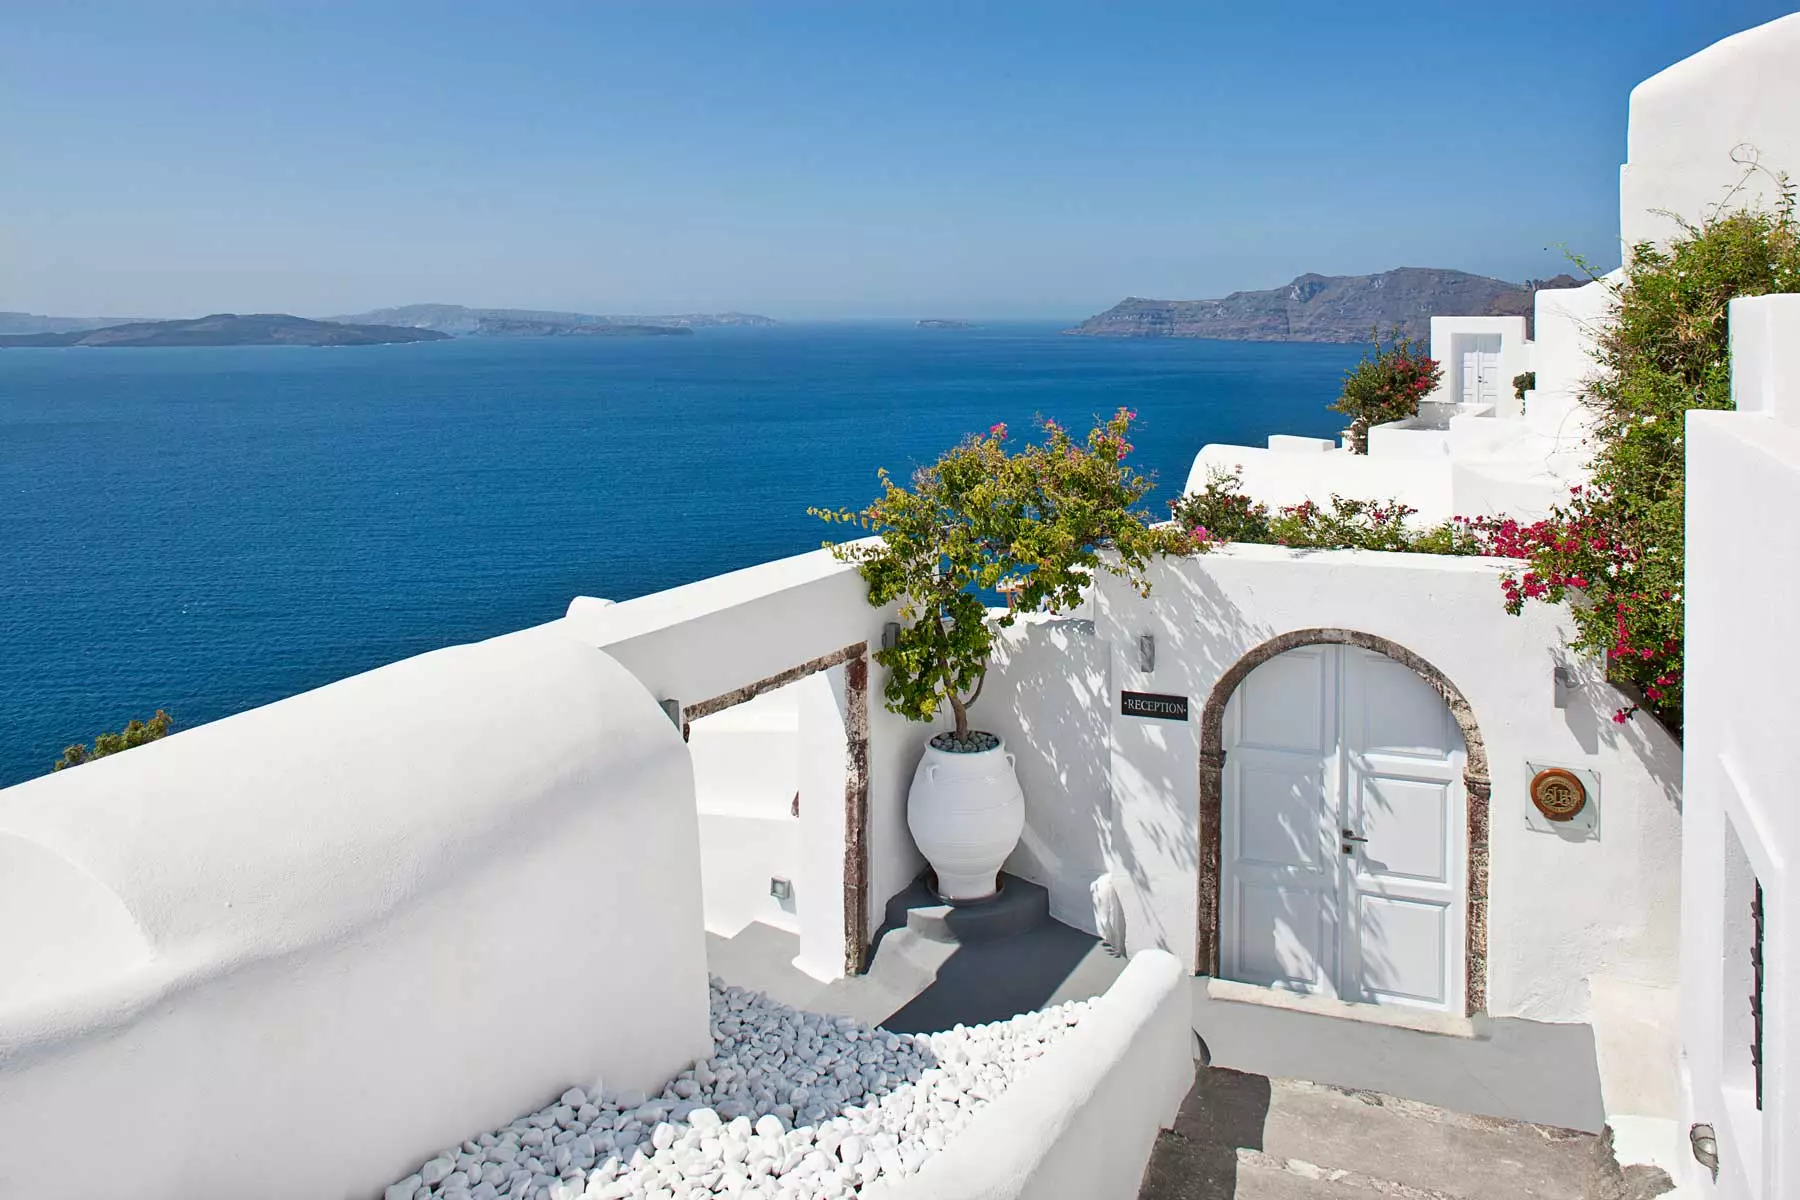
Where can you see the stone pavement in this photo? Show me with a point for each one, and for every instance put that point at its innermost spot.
(1247, 1137)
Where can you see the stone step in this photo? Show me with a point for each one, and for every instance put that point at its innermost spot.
(1019, 908)
(1245, 1137)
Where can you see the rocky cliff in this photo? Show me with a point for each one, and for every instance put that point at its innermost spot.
(1324, 308)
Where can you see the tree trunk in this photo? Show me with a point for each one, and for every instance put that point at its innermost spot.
(1359, 436)
(962, 715)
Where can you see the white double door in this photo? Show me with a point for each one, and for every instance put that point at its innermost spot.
(1343, 844)
(1481, 369)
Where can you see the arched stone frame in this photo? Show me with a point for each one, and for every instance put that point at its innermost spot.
(1476, 786)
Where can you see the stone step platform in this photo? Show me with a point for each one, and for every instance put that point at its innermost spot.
(1019, 908)
(1246, 1137)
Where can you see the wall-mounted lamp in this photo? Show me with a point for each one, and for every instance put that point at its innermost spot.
(1146, 652)
(672, 710)
(1705, 1145)
(781, 889)
(1563, 679)
(890, 635)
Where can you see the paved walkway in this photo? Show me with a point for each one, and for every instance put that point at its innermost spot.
(1247, 1137)
(916, 985)
(1522, 1070)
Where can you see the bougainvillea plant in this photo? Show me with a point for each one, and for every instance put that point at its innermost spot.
(1044, 521)
(1386, 385)
(1617, 543)
(1221, 512)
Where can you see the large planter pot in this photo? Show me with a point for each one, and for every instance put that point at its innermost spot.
(966, 812)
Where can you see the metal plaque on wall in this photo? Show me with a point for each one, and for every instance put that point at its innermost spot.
(1563, 800)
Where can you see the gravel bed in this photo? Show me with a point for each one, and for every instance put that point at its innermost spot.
(791, 1104)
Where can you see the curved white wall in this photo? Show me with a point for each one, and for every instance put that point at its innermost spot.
(1687, 120)
(1081, 1122)
(325, 938)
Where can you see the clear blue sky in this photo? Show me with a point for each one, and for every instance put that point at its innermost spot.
(804, 160)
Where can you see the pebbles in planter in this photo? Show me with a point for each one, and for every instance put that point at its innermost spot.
(791, 1104)
(975, 743)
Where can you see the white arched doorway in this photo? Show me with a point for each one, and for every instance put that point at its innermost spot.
(1343, 832)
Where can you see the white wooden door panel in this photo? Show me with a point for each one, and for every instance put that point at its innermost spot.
(1406, 823)
(1283, 704)
(1280, 836)
(1342, 831)
(1281, 934)
(1401, 952)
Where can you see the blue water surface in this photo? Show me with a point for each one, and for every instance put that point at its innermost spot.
(205, 530)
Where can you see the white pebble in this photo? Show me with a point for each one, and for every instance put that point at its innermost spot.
(789, 1104)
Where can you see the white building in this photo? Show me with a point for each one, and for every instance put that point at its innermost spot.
(411, 904)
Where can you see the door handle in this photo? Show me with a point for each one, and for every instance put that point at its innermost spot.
(1351, 837)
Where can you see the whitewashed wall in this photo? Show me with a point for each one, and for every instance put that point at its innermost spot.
(294, 952)
(1084, 1125)
(722, 633)
(1046, 695)
(1515, 356)
(1686, 122)
(1559, 911)
(1567, 321)
(1278, 478)
(746, 781)
(1741, 822)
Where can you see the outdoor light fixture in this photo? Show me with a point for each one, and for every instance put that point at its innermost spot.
(1146, 652)
(1563, 680)
(672, 710)
(781, 889)
(890, 635)
(1705, 1145)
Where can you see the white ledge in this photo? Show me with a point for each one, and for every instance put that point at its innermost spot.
(1420, 1020)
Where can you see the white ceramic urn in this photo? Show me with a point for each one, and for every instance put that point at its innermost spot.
(966, 812)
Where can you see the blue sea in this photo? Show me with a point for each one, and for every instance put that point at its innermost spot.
(205, 530)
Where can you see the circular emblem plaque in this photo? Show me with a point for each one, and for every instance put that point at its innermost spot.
(1558, 794)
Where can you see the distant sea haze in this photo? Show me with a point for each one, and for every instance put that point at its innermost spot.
(208, 529)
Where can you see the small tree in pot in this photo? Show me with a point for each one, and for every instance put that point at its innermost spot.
(1045, 520)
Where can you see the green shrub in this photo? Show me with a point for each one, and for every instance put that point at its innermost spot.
(1386, 385)
(1221, 512)
(135, 733)
(1618, 542)
(1523, 382)
(1045, 520)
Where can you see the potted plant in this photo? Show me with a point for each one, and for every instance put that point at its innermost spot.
(1042, 521)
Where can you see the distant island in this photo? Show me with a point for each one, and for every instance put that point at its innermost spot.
(1325, 308)
(517, 327)
(228, 329)
(459, 321)
(18, 322)
(944, 323)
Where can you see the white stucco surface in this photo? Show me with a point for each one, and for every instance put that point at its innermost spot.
(1048, 689)
(1741, 823)
(1687, 121)
(1279, 478)
(1081, 1121)
(1559, 910)
(719, 634)
(1449, 337)
(746, 783)
(368, 918)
